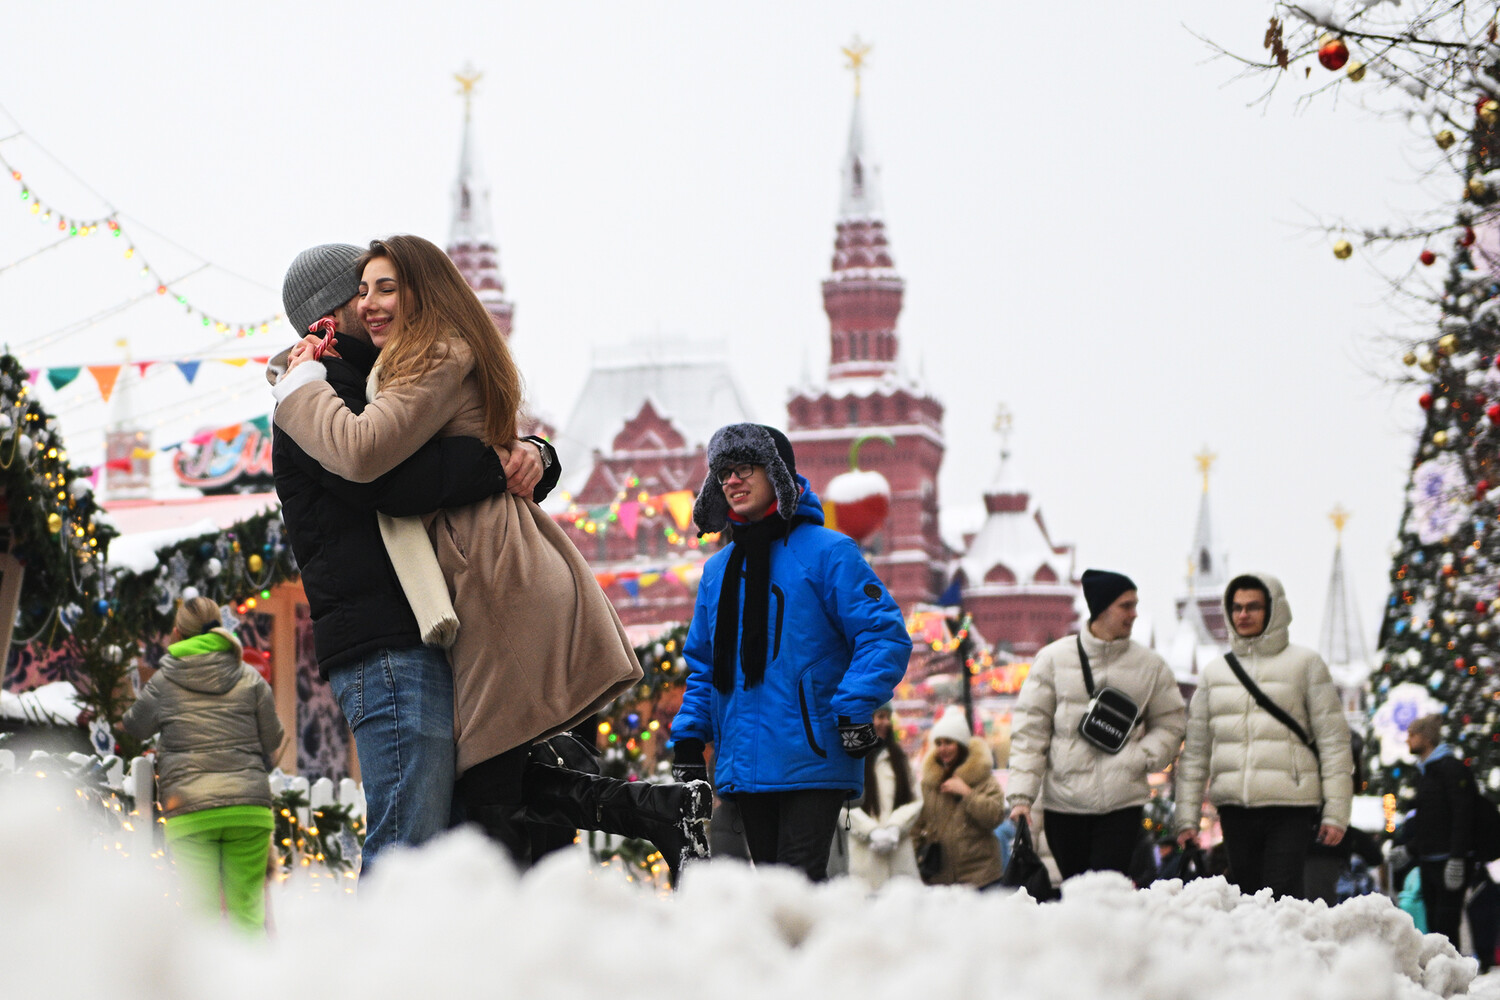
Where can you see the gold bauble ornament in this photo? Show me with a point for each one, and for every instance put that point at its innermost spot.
(1342, 249)
(1489, 112)
(54, 523)
(1440, 438)
(255, 562)
(1444, 139)
(1447, 343)
(1477, 188)
(1356, 71)
(1428, 364)
(1409, 358)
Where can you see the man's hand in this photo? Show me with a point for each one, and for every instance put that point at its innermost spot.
(1187, 837)
(303, 351)
(955, 786)
(1020, 812)
(858, 738)
(1329, 834)
(687, 761)
(523, 466)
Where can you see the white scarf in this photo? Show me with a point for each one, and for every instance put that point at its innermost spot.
(416, 565)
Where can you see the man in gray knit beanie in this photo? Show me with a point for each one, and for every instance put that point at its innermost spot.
(322, 281)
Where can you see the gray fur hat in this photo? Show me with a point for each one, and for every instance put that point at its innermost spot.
(321, 279)
(738, 444)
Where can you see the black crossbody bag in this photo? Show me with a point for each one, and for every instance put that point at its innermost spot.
(1274, 710)
(1111, 713)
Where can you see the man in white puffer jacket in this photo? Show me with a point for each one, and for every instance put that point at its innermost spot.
(1092, 799)
(1274, 793)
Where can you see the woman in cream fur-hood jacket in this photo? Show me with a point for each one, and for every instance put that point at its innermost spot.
(1241, 753)
(1050, 760)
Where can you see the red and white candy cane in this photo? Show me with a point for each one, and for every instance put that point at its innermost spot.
(325, 326)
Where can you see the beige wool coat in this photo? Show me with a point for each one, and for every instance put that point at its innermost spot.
(539, 646)
(1241, 754)
(964, 826)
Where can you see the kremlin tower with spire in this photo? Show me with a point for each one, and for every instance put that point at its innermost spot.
(471, 243)
(866, 394)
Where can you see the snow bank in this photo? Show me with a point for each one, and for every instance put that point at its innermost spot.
(454, 920)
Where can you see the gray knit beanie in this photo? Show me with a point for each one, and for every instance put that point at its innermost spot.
(319, 281)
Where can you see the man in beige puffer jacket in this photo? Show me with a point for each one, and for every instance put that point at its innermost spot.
(1274, 794)
(1092, 799)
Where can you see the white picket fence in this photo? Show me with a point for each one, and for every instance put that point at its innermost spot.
(138, 781)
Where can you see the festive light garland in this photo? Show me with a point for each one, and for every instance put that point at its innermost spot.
(74, 226)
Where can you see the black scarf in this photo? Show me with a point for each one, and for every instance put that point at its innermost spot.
(750, 555)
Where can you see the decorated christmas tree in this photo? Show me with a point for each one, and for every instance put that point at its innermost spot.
(1436, 64)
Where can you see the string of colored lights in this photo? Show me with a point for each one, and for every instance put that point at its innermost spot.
(73, 226)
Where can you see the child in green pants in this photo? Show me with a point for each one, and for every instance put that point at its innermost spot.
(219, 739)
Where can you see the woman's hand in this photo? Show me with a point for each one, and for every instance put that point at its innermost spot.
(304, 351)
(955, 786)
(523, 466)
(1019, 812)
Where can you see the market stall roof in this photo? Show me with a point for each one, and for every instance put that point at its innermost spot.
(148, 525)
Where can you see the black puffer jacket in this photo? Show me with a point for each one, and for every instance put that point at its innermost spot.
(356, 601)
(1443, 824)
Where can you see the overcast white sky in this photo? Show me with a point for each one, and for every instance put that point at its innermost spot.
(1095, 227)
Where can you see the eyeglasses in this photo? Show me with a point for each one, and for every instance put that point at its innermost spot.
(1246, 608)
(740, 472)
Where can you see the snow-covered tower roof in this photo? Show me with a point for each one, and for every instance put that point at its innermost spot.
(471, 241)
(687, 382)
(863, 294)
(1342, 639)
(1202, 633)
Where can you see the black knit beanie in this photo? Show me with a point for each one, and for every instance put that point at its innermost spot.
(1101, 588)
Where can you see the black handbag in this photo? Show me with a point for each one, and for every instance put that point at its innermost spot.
(1025, 869)
(1111, 713)
(930, 861)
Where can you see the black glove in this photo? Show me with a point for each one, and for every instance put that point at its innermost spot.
(859, 738)
(687, 761)
(1455, 871)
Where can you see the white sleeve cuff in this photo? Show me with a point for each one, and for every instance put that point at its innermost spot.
(307, 371)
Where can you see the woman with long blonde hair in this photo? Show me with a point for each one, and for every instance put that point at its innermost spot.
(538, 648)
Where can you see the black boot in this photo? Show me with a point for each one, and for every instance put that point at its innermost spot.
(489, 794)
(673, 817)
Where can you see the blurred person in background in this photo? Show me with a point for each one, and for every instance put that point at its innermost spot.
(219, 739)
(961, 806)
(880, 846)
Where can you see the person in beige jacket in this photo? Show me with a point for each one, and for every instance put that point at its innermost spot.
(538, 647)
(961, 805)
(1274, 793)
(1093, 799)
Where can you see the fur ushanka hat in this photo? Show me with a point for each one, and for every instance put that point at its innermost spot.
(740, 444)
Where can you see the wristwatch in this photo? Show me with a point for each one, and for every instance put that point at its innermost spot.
(544, 450)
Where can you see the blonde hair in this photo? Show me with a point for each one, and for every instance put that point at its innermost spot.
(196, 616)
(435, 305)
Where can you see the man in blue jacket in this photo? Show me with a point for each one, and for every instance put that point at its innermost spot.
(794, 644)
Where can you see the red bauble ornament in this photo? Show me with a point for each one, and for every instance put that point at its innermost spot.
(1480, 489)
(1480, 399)
(1493, 413)
(1427, 257)
(1480, 607)
(1466, 238)
(1425, 401)
(1333, 54)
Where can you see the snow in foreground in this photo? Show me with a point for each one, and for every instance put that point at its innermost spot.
(454, 920)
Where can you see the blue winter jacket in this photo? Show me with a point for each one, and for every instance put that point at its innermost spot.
(837, 646)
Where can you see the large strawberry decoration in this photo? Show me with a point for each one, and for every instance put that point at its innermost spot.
(857, 502)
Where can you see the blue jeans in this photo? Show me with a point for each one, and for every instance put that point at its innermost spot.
(399, 702)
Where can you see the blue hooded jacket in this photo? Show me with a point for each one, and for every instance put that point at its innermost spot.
(836, 646)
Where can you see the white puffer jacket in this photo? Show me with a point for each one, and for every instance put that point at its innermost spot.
(1071, 775)
(1239, 750)
(871, 866)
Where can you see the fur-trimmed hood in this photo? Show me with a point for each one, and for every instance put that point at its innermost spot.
(975, 768)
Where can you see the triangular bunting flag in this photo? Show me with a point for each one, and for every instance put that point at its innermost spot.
(189, 370)
(105, 375)
(630, 516)
(261, 423)
(60, 377)
(237, 362)
(604, 579)
(141, 367)
(647, 579)
(32, 374)
(264, 359)
(632, 587)
(680, 506)
(228, 433)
